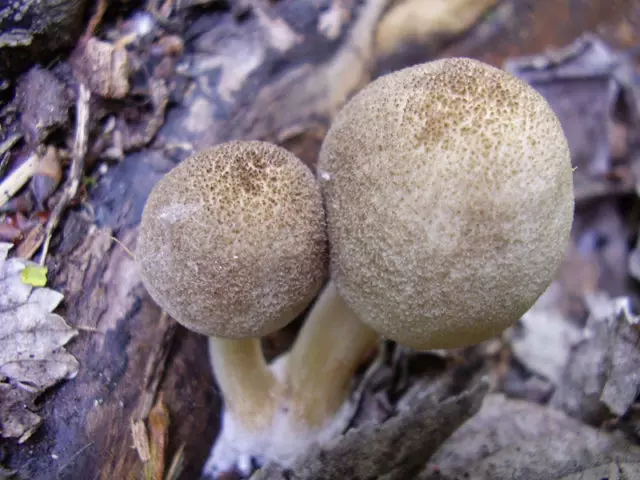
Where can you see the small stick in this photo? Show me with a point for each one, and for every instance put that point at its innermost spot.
(16, 179)
(125, 248)
(9, 143)
(77, 166)
(74, 457)
(177, 464)
(96, 19)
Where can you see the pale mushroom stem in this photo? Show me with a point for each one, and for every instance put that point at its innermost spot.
(248, 386)
(329, 348)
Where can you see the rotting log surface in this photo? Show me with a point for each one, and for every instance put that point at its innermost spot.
(287, 96)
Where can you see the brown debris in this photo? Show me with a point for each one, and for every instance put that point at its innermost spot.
(47, 177)
(171, 45)
(10, 233)
(140, 134)
(159, 436)
(44, 104)
(31, 242)
(103, 67)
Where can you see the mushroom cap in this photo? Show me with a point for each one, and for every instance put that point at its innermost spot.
(232, 241)
(449, 198)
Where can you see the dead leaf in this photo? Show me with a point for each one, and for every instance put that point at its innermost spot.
(603, 372)
(586, 83)
(623, 380)
(517, 439)
(32, 340)
(543, 339)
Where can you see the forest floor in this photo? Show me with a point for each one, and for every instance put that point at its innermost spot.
(95, 382)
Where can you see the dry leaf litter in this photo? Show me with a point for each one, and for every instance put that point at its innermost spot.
(32, 353)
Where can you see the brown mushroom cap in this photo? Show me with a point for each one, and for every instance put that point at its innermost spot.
(232, 241)
(449, 197)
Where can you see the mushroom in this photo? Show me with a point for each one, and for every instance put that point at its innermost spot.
(449, 199)
(232, 244)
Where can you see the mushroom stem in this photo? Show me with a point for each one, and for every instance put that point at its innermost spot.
(247, 384)
(330, 347)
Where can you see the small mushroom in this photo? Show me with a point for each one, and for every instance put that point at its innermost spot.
(232, 244)
(449, 199)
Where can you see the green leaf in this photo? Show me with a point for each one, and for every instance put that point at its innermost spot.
(34, 275)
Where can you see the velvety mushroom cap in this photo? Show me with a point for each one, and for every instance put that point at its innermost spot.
(232, 241)
(449, 198)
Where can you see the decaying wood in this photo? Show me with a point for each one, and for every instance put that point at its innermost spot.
(243, 80)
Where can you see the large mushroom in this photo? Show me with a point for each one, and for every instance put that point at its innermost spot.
(232, 244)
(449, 199)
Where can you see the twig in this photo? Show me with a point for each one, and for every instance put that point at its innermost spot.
(77, 166)
(177, 464)
(124, 247)
(73, 457)
(8, 144)
(32, 242)
(16, 179)
(96, 19)
(166, 8)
